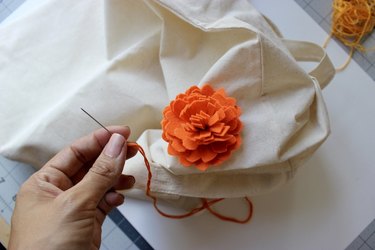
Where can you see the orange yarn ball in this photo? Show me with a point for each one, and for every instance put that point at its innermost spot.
(352, 20)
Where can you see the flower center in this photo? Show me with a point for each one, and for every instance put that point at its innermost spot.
(200, 120)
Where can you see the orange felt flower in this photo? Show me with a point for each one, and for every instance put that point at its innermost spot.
(202, 127)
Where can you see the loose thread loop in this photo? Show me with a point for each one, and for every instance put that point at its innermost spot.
(206, 204)
(351, 22)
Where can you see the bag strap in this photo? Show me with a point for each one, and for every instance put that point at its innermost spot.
(311, 52)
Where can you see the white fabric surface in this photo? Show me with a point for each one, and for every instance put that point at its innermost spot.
(124, 61)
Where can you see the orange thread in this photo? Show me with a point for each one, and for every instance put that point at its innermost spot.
(206, 204)
(352, 20)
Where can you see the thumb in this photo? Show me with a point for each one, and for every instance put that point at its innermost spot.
(105, 171)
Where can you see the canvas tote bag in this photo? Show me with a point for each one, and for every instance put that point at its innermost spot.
(124, 61)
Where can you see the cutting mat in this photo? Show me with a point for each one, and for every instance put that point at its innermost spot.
(117, 232)
(8, 6)
(4, 232)
(321, 12)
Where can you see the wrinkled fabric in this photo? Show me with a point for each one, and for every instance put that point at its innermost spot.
(125, 60)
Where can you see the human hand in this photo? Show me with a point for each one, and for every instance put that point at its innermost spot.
(64, 204)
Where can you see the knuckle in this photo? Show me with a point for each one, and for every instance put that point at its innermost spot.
(72, 202)
(104, 167)
(30, 185)
(68, 202)
(104, 206)
(78, 154)
(42, 176)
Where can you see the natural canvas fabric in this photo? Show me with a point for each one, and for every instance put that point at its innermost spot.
(125, 60)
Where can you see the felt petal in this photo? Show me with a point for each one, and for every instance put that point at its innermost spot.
(191, 89)
(184, 115)
(207, 90)
(194, 156)
(203, 134)
(220, 158)
(230, 114)
(172, 125)
(167, 109)
(164, 136)
(230, 101)
(171, 150)
(195, 119)
(219, 147)
(190, 144)
(224, 131)
(181, 96)
(214, 119)
(181, 133)
(239, 111)
(177, 145)
(164, 123)
(211, 108)
(204, 115)
(202, 166)
(233, 124)
(238, 142)
(177, 106)
(194, 105)
(189, 127)
(220, 98)
(228, 138)
(232, 139)
(218, 116)
(197, 106)
(198, 125)
(217, 128)
(238, 128)
(221, 91)
(184, 161)
(222, 139)
(169, 114)
(207, 154)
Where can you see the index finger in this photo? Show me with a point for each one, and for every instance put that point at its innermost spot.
(84, 150)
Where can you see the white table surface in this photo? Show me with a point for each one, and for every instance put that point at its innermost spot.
(332, 197)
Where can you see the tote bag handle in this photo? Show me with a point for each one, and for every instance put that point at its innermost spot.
(310, 52)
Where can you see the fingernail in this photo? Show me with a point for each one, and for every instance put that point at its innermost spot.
(123, 199)
(131, 181)
(114, 146)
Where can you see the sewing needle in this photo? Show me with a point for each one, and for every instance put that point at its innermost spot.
(96, 121)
